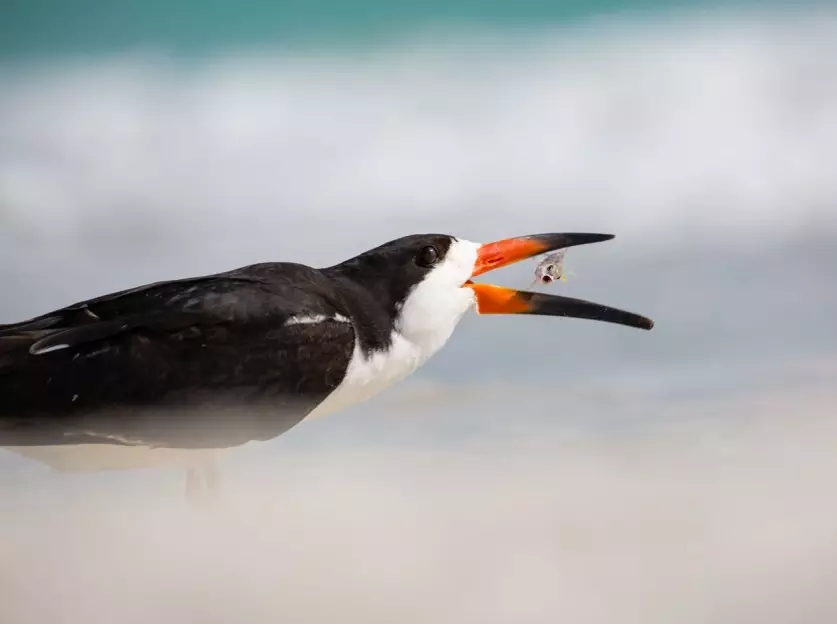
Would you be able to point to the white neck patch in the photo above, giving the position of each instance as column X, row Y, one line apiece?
column 423, row 325
column 437, row 303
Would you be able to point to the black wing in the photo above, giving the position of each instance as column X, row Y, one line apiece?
column 203, row 362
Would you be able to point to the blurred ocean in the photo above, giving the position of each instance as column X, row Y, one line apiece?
column 679, row 475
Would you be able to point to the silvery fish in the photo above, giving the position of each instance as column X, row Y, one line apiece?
column 551, row 268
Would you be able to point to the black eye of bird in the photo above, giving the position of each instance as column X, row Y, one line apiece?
column 427, row 256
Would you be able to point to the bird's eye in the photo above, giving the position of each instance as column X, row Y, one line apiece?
column 427, row 256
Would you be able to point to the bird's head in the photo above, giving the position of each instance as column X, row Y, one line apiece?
column 428, row 280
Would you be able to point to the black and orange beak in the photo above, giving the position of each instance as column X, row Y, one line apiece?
column 492, row 299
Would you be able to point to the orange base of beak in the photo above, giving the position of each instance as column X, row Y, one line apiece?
column 493, row 299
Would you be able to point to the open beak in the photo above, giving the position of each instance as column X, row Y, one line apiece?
column 498, row 300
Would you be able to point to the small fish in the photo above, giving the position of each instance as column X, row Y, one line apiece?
column 551, row 268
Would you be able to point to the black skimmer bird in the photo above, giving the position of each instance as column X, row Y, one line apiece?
column 217, row 361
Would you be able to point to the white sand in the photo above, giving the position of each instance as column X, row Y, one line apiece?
column 727, row 519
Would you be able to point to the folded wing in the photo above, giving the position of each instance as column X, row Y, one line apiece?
column 203, row 362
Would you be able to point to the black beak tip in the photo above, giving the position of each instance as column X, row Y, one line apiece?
column 630, row 319
column 570, row 239
column 557, row 305
column 622, row 317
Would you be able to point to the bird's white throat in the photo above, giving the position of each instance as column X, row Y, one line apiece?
column 424, row 323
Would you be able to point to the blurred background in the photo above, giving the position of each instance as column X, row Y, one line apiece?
column 536, row 468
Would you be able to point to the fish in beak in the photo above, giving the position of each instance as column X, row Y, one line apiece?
column 491, row 299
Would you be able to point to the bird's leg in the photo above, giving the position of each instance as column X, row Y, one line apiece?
column 211, row 478
column 202, row 483
column 192, row 485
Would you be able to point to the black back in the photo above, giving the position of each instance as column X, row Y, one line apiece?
column 172, row 363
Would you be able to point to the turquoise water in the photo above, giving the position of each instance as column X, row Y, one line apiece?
column 50, row 27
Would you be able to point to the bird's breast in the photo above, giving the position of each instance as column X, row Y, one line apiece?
column 369, row 373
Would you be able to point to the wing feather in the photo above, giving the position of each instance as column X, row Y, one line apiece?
column 129, row 365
